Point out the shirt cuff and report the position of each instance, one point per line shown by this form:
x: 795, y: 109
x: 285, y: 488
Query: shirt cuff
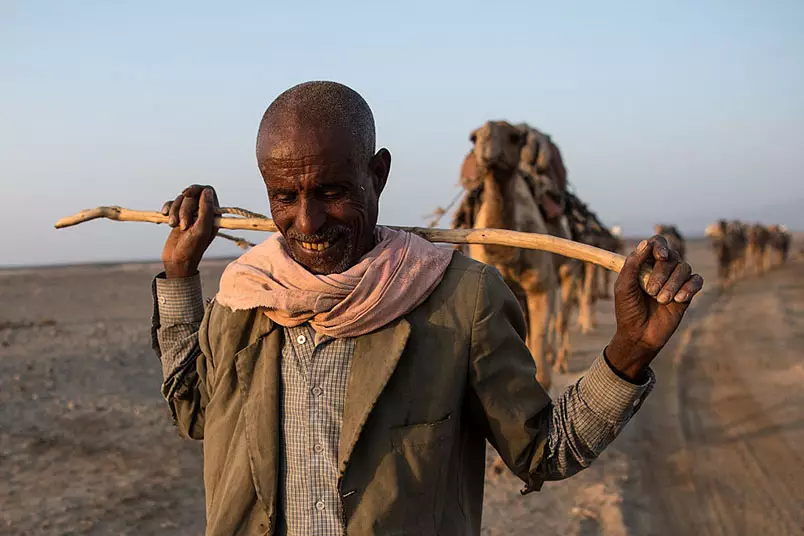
x: 610, y: 397
x: 180, y: 300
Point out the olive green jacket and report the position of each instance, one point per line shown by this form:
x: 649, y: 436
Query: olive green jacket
x: 424, y: 393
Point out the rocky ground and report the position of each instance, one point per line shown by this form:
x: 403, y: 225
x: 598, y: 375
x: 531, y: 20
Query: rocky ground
x: 86, y: 444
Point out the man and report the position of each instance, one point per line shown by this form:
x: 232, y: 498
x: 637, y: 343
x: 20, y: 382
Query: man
x: 346, y: 376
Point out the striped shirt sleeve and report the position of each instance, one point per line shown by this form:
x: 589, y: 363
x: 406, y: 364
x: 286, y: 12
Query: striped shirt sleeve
x: 177, y: 315
x: 587, y: 417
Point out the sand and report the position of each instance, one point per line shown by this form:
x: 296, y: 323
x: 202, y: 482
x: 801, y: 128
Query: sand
x: 87, y: 446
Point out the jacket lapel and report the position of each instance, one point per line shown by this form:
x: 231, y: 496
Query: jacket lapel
x: 375, y: 358
x: 258, y: 378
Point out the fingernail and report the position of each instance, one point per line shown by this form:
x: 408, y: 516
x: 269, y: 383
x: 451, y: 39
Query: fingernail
x: 642, y: 246
x: 663, y: 254
x: 682, y: 297
x: 653, y: 289
x: 664, y: 297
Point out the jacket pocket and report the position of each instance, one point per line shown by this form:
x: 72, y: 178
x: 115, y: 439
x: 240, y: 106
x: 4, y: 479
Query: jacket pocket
x: 421, y: 453
x: 422, y: 436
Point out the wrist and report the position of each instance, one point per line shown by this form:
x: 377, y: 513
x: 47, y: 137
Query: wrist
x: 628, y: 358
x: 179, y: 271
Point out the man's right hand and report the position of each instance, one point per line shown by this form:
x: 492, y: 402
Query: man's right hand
x: 192, y: 217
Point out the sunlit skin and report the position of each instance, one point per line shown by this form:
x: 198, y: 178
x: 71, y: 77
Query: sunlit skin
x: 324, y: 196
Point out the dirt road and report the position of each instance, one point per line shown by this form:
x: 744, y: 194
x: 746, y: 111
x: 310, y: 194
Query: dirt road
x: 719, y: 451
x: 86, y: 444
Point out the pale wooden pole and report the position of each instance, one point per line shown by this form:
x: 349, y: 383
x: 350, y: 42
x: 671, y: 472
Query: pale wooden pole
x: 498, y: 237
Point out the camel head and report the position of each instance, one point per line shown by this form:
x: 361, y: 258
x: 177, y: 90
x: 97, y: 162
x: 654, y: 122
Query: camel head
x: 716, y: 229
x: 498, y: 145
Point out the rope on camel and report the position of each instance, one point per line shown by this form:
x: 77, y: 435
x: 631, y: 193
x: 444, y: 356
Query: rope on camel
x: 247, y: 220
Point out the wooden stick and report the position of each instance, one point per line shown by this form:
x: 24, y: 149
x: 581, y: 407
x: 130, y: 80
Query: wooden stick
x: 499, y: 237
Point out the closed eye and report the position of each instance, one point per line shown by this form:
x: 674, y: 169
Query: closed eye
x: 332, y: 192
x: 283, y: 196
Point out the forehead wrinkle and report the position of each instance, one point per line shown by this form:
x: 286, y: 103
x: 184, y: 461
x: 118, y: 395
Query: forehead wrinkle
x: 310, y: 162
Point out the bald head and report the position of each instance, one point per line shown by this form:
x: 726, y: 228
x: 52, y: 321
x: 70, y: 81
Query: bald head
x: 316, y: 153
x: 320, y: 107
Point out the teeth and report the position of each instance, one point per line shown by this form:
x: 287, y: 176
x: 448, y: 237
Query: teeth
x: 320, y: 246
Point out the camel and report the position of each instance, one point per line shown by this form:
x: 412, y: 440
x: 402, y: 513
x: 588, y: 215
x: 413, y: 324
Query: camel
x: 673, y: 237
x: 757, y: 251
x: 568, y: 217
x: 542, y: 164
x: 779, y: 244
x: 728, y: 243
x: 501, y: 196
x: 736, y: 231
x: 587, y: 228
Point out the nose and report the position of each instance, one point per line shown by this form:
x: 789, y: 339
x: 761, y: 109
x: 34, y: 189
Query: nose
x: 310, y: 218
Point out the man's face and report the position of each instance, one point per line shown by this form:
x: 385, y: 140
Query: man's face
x: 324, y: 198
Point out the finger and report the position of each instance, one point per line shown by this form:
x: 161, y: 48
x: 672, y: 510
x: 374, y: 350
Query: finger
x: 189, y: 209
x: 630, y: 270
x: 661, y: 273
x: 166, y: 208
x: 677, y: 279
x: 173, y: 216
x: 206, y: 213
x: 688, y: 291
x: 194, y: 190
x: 214, y: 194
x: 661, y: 251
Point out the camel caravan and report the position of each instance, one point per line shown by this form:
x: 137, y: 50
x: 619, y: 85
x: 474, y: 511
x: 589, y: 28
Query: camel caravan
x: 514, y: 178
x: 743, y: 249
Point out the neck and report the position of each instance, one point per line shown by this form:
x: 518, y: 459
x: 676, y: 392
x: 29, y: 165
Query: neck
x: 499, y: 206
x: 498, y: 199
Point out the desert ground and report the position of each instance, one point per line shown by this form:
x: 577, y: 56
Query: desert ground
x: 87, y: 446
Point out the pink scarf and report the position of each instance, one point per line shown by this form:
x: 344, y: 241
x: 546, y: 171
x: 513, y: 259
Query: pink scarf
x: 387, y: 283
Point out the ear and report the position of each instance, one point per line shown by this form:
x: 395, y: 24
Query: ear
x: 380, y: 167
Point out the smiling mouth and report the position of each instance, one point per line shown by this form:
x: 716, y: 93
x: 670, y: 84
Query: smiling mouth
x: 315, y: 246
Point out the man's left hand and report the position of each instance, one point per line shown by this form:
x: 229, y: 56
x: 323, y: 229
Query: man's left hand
x: 647, y: 320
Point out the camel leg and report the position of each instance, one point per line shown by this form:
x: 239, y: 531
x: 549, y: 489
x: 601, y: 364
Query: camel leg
x: 606, y: 284
x: 586, y: 315
x: 569, y: 297
x: 551, y: 344
x: 540, y: 301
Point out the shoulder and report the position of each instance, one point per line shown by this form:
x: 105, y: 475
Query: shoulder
x: 222, y: 324
x: 471, y: 275
x: 467, y: 284
x: 462, y: 277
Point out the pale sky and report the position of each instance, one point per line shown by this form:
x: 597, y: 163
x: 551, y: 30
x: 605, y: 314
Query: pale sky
x: 677, y: 112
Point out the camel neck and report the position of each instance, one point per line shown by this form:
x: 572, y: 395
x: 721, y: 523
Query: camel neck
x: 498, y: 199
